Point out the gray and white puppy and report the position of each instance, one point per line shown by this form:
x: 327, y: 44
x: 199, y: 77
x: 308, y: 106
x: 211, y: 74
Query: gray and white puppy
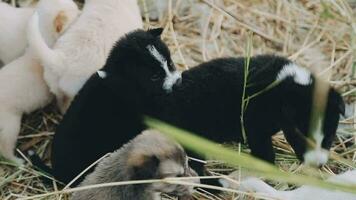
x: 150, y: 155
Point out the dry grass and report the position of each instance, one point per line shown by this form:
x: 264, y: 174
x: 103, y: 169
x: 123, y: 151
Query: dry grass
x: 320, y: 36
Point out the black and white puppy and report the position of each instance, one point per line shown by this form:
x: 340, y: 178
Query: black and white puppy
x: 208, y: 102
x: 107, y: 112
x: 150, y: 155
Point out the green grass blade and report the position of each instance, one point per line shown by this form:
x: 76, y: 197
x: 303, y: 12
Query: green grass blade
x: 210, y: 149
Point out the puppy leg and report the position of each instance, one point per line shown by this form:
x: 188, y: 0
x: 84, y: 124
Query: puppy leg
x: 63, y: 100
x: 63, y: 103
x: 10, y: 124
x: 294, y: 137
x: 260, y: 143
x: 69, y: 86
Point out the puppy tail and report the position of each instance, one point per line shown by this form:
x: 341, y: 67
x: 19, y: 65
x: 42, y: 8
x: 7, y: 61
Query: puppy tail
x: 37, y: 44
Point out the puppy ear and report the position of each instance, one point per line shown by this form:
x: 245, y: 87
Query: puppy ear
x: 60, y: 21
x: 157, y: 32
x: 337, y: 100
x: 147, y: 169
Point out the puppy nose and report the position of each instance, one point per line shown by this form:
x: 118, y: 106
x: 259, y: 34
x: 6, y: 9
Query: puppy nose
x: 192, y: 173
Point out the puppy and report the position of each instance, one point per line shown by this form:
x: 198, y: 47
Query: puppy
x: 22, y: 88
x: 208, y: 102
x: 108, y: 100
x: 208, y: 99
x: 305, y: 192
x: 150, y: 155
x: 85, y: 46
x: 13, y: 39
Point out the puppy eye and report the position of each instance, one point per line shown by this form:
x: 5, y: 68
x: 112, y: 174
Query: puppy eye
x: 180, y: 175
x: 155, y: 77
x: 167, y: 175
x: 172, y: 66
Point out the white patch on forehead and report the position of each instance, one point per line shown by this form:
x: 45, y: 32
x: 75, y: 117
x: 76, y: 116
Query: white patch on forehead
x: 158, y: 56
x: 171, y: 80
x: 101, y: 74
x: 171, y: 77
x: 317, y: 156
x: 300, y: 75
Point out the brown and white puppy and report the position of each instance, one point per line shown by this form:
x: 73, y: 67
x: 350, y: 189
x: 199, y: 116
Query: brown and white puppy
x: 150, y: 155
x: 22, y: 87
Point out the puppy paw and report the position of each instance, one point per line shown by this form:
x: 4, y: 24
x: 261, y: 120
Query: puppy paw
x: 18, y: 161
x: 13, y: 159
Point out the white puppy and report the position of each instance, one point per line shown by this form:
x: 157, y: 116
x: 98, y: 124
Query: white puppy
x: 13, y: 26
x: 22, y: 87
x: 304, y: 192
x: 84, y: 48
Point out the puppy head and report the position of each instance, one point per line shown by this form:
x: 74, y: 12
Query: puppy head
x: 297, y: 108
x: 55, y: 16
x: 142, y: 57
x: 154, y: 156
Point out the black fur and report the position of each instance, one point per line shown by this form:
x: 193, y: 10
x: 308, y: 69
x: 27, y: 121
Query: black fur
x: 108, y: 112
x: 208, y: 102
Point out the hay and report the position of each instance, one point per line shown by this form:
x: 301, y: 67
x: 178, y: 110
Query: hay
x: 320, y: 36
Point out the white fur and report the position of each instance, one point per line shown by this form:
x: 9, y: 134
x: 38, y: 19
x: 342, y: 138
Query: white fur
x: 22, y: 87
x: 101, y: 74
x: 304, y: 192
x: 13, y: 39
x: 26, y: 3
x: 300, y: 75
x: 84, y: 48
x: 171, y: 77
x: 317, y: 156
x: 171, y: 80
